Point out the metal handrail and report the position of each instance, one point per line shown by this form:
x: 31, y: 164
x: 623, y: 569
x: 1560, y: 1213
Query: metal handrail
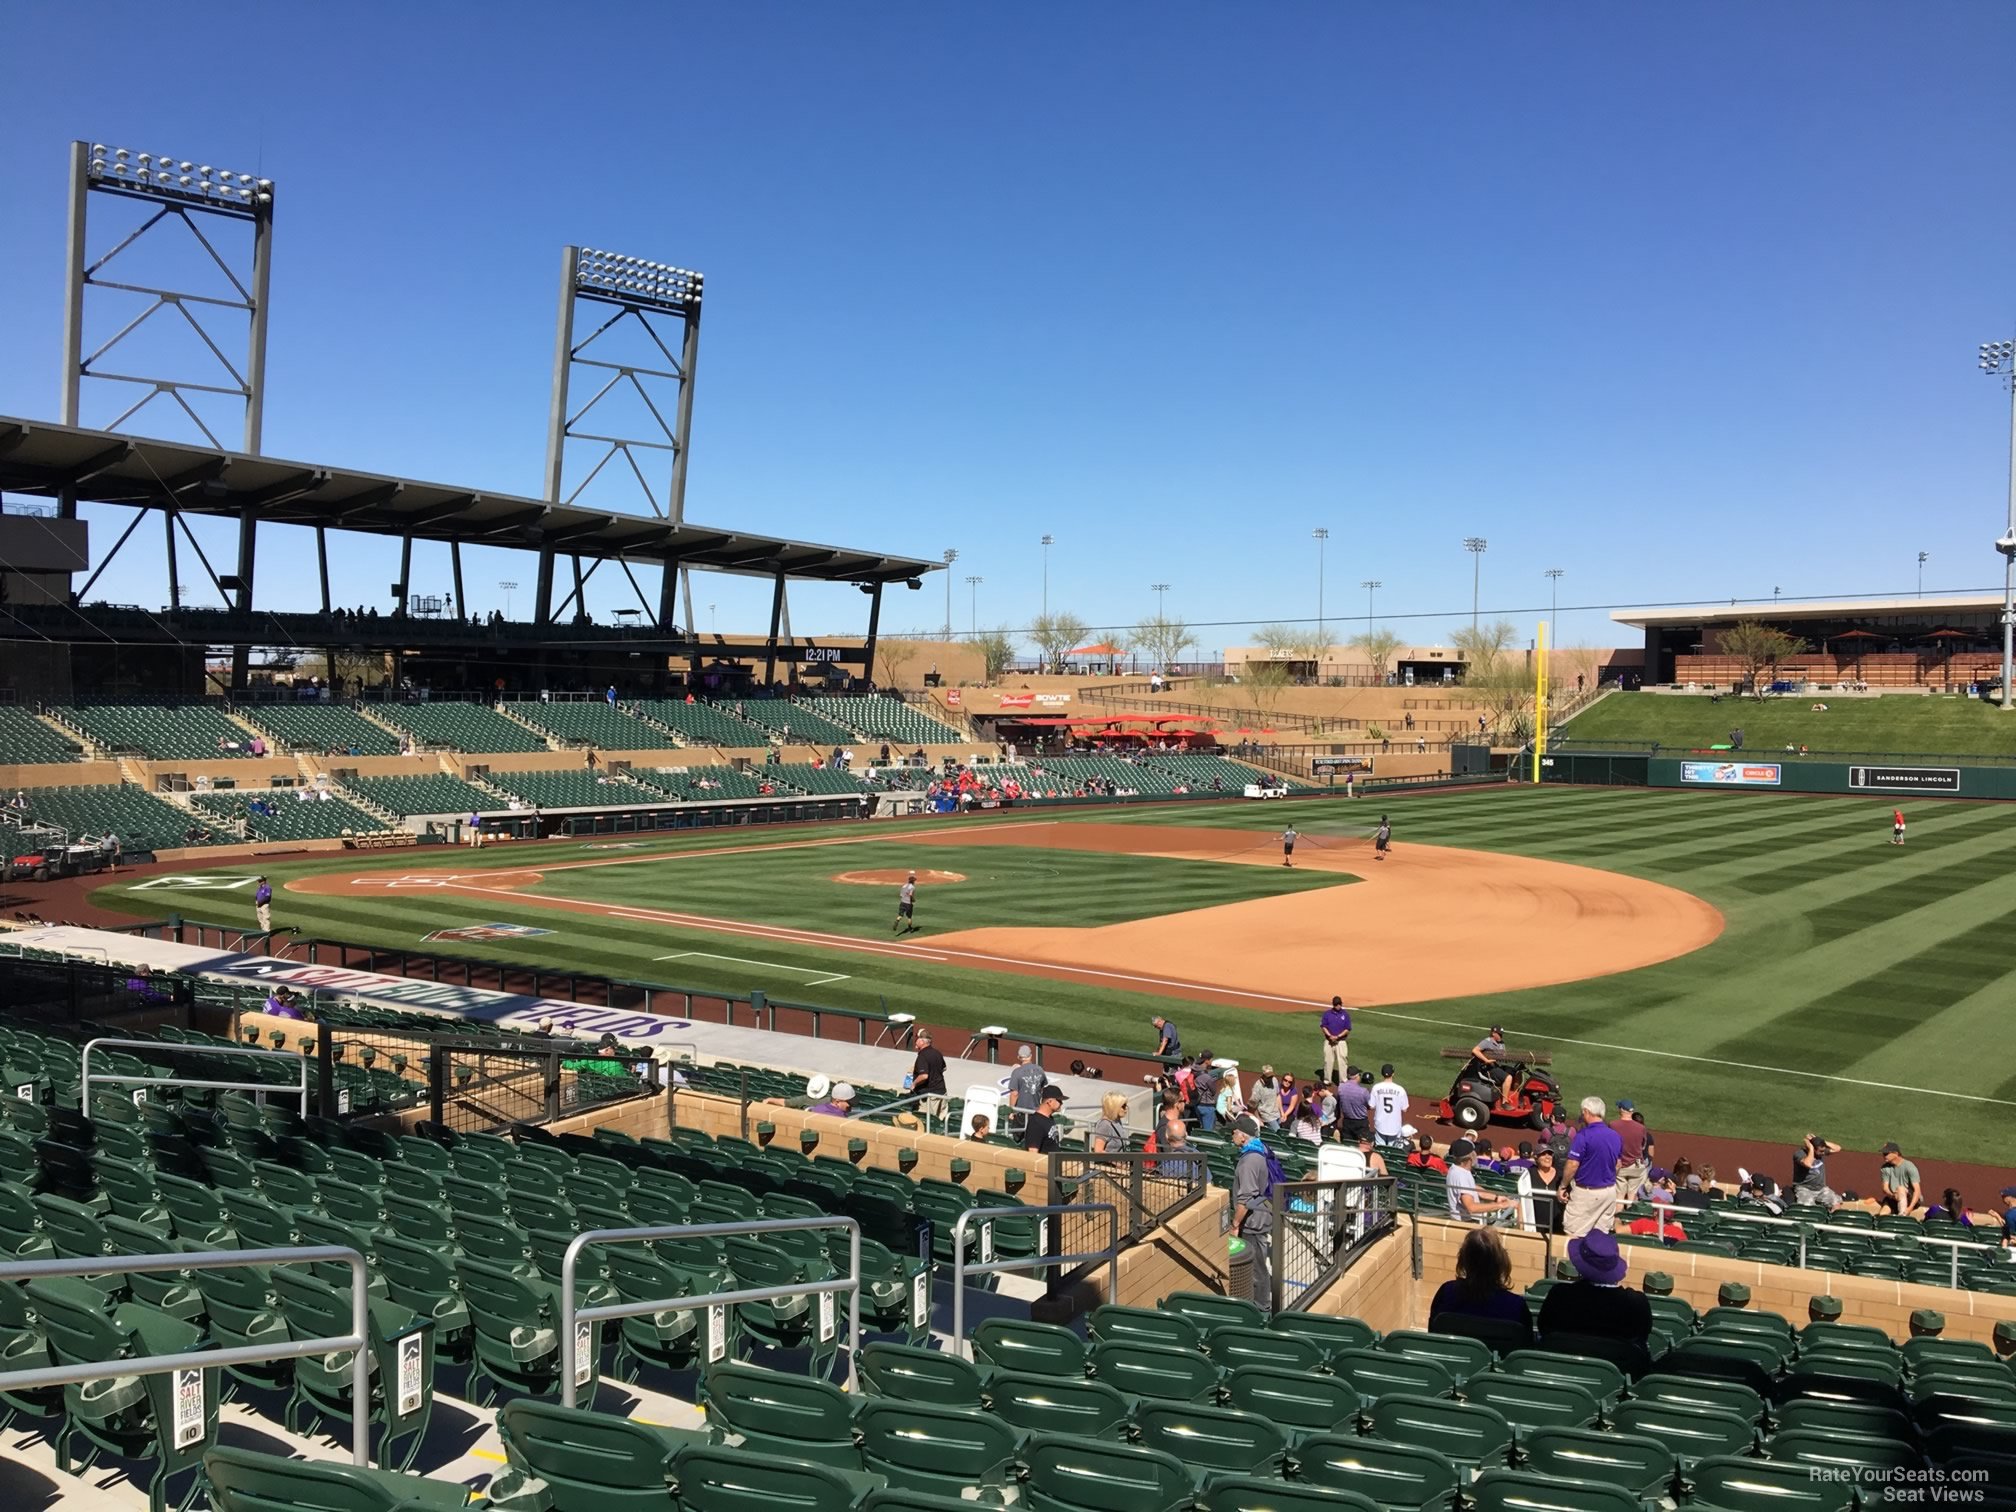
x: 357, y: 1340
x: 177, y: 1048
x: 1337, y: 1261
x: 961, y: 1270
x: 1662, y: 1212
x: 572, y: 1318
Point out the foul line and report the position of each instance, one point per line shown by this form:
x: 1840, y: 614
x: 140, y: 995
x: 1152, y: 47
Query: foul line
x: 820, y: 979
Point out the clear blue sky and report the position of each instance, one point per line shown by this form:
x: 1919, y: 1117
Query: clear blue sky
x: 1682, y: 300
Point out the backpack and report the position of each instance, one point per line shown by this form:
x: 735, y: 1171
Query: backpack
x: 1277, y: 1174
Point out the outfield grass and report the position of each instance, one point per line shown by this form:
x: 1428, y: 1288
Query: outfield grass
x: 1900, y: 722
x: 1859, y: 988
x: 1005, y: 885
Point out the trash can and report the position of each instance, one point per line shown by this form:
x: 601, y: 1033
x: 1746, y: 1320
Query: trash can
x: 1240, y: 1283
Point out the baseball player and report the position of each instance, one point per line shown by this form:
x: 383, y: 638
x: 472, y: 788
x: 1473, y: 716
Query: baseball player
x: 1897, y: 826
x: 1382, y: 838
x: 906, y: 907
x: 1288, y: 838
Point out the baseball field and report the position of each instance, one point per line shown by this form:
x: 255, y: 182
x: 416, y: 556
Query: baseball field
x: 1746, y: 965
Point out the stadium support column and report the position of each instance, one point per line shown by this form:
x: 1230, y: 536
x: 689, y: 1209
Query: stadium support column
x: 461, y: 598
x: 776, y: 618
x: 542, y: 596
x: 248, y: 556
x: 73, y: 304
x: 874, y: 627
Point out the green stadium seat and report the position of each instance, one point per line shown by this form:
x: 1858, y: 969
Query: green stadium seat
x: 1920, y: 1352
x: 321, y: 728
x: 1045, y: 1405
x: 1209, y: 1311
x: 1231, y: 1347
x: 1333, y: 1332
x: 1633, y: 1462
x: 515, y: 1332
x: 589, y: 1461
x: 1257, y: 1494
x: 172, y: 1292
x: 160, y: 732
x: 919, y: 1375
x: 1843, y: 1417
x: 782, y: 1415
x: 419, y: 1276
x: 1375, y: 1373
x: 597, y: 724
x: 1857, y: 1364
x: 27, y: 741
x: 131, y: 1417
x: 1154, y: 1372
x: 1212, y: 1442
x: 1520, y: 1491
x: 1851, y: 1451
x: 1307, y: 1406
x: 1731, y: 1484
x: 1470, y: 1434
x: 22, y: 1236
x: 1692, y: 1433
x: 1395, y: 1476
x: 1462, y: 1358
x: 400, y: 1351
x: 915, y: 1446
x: 1600, y: 1378
x: 242, y: 1480
x: 1094, y: 1475
x: 728, y: 1480
x: 1030, y: 1348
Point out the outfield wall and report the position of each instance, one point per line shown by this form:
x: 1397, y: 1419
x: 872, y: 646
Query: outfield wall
x: 1890, y: 778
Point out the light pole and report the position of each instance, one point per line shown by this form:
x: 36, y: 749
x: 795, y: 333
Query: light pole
x: 1322, y: 534
x: 1371, y: 586
x: 951, y: 556
x: 1998, y: 361
x: 1048, y: 542
x: 1923, y: 556
x: 1553, y: 605
x: 1476, y: 546
x: 1158, y: 589
x: 509, y: 589
x: 973, y: 583
x: 712, y: 628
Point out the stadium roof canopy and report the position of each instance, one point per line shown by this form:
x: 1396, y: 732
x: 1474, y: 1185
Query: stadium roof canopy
x: 1907, y: 607
x: 105, y: 467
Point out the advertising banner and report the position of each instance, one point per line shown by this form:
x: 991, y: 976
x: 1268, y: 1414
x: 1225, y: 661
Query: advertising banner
x: 1337, y: 766
x: 1018, y: 700
x: 1731, y: 773
x: 1887, y: 779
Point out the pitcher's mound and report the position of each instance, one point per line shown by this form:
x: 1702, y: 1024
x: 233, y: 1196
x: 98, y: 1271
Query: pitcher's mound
x: 896, y: 877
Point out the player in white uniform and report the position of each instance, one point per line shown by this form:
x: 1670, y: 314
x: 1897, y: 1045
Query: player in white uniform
x: 1389, y: 1108
x: 906, y: 906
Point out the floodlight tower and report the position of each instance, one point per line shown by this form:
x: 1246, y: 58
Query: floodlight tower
x: 1476, y: 546
x: 639, y: 293
x: 1998, y: 361
x: 199, y: 196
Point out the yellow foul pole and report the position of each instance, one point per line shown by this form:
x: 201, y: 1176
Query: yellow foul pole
x: 1539, y: 699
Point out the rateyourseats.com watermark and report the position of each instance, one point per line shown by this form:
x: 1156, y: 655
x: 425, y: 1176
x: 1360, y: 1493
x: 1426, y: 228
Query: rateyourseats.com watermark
x: 1903, y: 1488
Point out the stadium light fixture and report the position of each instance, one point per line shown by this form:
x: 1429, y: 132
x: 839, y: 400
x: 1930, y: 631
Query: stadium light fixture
x: 1158, y: 589
x: 508, y: 588
x: 1998, y: 361
x: 1371, y: 586
x: 1048, y: 541
x: 163, y: 177
x: 951, y: 556
x: 1553, y: 575
x: 1476, y: 546
x: 638, y: 281
x: 973, y: 584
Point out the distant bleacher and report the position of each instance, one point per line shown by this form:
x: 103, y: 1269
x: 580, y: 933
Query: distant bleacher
x: 24, y: 739
x: 460, y: 727
x: 879, y: 718
x: 571, y: 788
x: 323, y: 728
x: 595, y: 724
x: 701, y: 723
x: 430, y: 793
x: 282, y: 814
x: 159, y: 732
x: 797, y: 721
x: 142, y: 821
x: 704, y: 784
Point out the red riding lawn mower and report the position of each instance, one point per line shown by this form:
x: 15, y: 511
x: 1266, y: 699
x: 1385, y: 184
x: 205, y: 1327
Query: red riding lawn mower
x: 1523, y: 1094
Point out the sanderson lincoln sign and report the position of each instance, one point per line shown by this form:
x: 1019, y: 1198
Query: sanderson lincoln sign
x: 1890, y: 779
